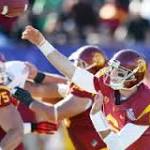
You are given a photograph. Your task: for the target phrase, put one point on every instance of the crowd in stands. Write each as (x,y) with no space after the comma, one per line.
(83,21)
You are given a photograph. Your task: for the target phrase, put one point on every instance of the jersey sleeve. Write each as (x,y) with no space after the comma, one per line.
(75,90)
(18,72)
(5,97)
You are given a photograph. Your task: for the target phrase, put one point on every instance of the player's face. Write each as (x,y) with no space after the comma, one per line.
(118,75)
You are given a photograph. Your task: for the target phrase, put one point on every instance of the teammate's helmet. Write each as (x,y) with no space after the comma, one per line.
(127,69)
(89,57)
(13,8)
(3,75)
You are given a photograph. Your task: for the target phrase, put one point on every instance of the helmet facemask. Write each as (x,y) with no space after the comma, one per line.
(80,63)
(89,57)
(118,76)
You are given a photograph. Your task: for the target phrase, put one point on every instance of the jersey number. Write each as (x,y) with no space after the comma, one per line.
(4,98)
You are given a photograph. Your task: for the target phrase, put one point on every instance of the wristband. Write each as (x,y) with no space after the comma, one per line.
(99,121)
(46,48)
(39,77)
(44,127)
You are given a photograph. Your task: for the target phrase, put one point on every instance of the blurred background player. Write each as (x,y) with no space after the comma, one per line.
(16,74)
(10,11)
(77,103)
(11,128)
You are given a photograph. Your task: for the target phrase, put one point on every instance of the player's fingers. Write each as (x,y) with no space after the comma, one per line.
(31,29)
(24,37)
(26,34)
(28,27)
(28,30)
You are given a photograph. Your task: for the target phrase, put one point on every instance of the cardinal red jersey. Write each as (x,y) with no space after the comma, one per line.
(26,114)
(5,99)
(135,109)
(81,130)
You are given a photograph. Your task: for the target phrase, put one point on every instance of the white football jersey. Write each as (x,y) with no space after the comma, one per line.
(17,73)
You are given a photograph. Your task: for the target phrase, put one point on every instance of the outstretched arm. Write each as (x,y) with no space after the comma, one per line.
(49,91)
(72,105)
(57,59)
(69,107)
(43,77)
(79,76)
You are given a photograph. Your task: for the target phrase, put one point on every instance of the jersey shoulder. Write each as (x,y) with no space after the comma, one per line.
(77,91)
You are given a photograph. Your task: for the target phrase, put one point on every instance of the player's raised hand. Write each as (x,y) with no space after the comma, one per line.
(98,102)
(33,35)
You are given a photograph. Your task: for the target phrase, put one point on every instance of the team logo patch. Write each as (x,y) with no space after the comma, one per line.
(130,114)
